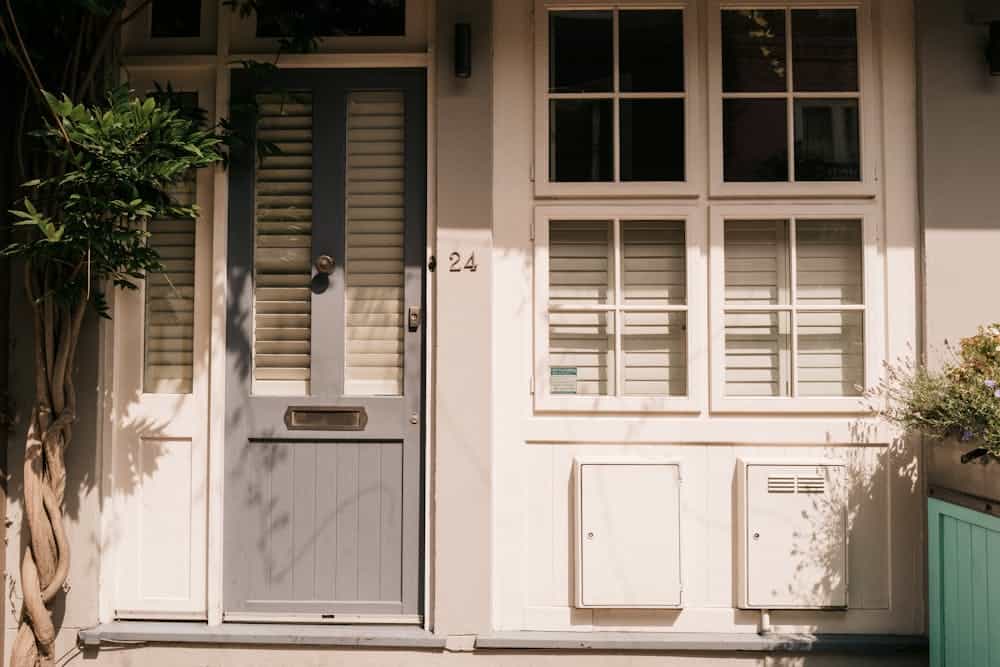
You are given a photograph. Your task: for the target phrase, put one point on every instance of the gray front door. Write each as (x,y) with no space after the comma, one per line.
(325,346)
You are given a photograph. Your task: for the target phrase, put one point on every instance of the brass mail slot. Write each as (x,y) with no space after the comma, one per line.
(319,418)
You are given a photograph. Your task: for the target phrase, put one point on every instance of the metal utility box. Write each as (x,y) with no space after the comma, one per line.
(792,534)
(627,530)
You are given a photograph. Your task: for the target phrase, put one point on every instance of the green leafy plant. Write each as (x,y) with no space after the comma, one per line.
(76,232)
(960,400)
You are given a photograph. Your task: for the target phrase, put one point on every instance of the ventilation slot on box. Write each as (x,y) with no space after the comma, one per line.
(811,485)
(781,485)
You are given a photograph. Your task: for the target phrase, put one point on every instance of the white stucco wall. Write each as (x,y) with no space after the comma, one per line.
(960,160)
(534,452)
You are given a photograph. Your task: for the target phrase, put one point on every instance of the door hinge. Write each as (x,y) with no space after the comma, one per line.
(531,170)
(531,231)
(531,385)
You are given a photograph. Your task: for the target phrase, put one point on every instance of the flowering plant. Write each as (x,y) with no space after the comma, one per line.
(961,400)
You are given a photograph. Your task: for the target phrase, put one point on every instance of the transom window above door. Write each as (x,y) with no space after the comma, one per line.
(614,111)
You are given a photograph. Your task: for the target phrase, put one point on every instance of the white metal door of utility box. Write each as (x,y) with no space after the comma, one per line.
(628,547)
(792,535)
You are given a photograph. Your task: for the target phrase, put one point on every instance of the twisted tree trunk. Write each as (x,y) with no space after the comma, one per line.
(45,563)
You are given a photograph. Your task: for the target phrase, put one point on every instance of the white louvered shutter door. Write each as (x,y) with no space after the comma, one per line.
(375,296)
(654,344)
(757,343)
(283,247)
(829,272)
(169,301)
(581,274)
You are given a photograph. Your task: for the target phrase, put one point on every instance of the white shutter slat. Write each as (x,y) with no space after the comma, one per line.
(829,265)
(168,360)
(831,355)
(581,344)
(830,360)
(283,246)
(756,270)
(654,354)
(580,269)
(374,271)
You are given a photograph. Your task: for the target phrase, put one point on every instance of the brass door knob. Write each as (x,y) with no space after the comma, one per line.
(324,264)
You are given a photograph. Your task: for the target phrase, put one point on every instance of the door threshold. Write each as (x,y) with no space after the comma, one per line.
(324,619)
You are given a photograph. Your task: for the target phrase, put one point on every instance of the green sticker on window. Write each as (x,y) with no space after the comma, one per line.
(563,379)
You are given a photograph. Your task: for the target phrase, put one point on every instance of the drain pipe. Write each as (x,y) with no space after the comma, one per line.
(765,622)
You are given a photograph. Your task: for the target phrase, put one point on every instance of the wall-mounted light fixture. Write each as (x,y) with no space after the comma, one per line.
(463,50)
(993,48)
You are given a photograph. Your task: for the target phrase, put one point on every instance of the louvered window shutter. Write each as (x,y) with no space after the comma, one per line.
(756,341)
(375,296)
(581,343)
(283,246)
(654,343)
(822,306)
(617,308)
(830,343)
(169,301)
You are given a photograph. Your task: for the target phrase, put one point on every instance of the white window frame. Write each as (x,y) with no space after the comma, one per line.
(694,158)
(694,239)
(138,38)
(244,39)
(873,281)
(867,95)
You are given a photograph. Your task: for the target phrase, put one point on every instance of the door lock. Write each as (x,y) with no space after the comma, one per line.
(413,319)
(324,264)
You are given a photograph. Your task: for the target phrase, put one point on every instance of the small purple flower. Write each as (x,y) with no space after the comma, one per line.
(966,435)
(992,384)
(997,393)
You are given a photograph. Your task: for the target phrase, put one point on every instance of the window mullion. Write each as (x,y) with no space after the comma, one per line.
(790,91)
(619,313)
(793,290)
(616,103)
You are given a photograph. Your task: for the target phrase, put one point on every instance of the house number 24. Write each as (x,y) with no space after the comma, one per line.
(456,265)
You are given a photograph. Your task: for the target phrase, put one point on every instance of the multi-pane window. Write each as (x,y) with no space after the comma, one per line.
(794,308)
(617,308)
(616,95)
(334,18)
(175,18)
(791,95)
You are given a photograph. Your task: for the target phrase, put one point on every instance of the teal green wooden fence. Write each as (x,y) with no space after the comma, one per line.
(964,592)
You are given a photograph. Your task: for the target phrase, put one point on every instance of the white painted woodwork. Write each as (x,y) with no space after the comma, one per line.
(616,326)
(628,537)
(792,534)
(155,525)
(374,299)
(283,246)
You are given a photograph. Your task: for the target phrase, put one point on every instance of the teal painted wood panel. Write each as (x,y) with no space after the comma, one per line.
(964,570)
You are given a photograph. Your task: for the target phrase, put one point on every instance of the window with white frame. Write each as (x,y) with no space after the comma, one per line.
(614,329)
(615,101)
(792,309)
(791,94)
